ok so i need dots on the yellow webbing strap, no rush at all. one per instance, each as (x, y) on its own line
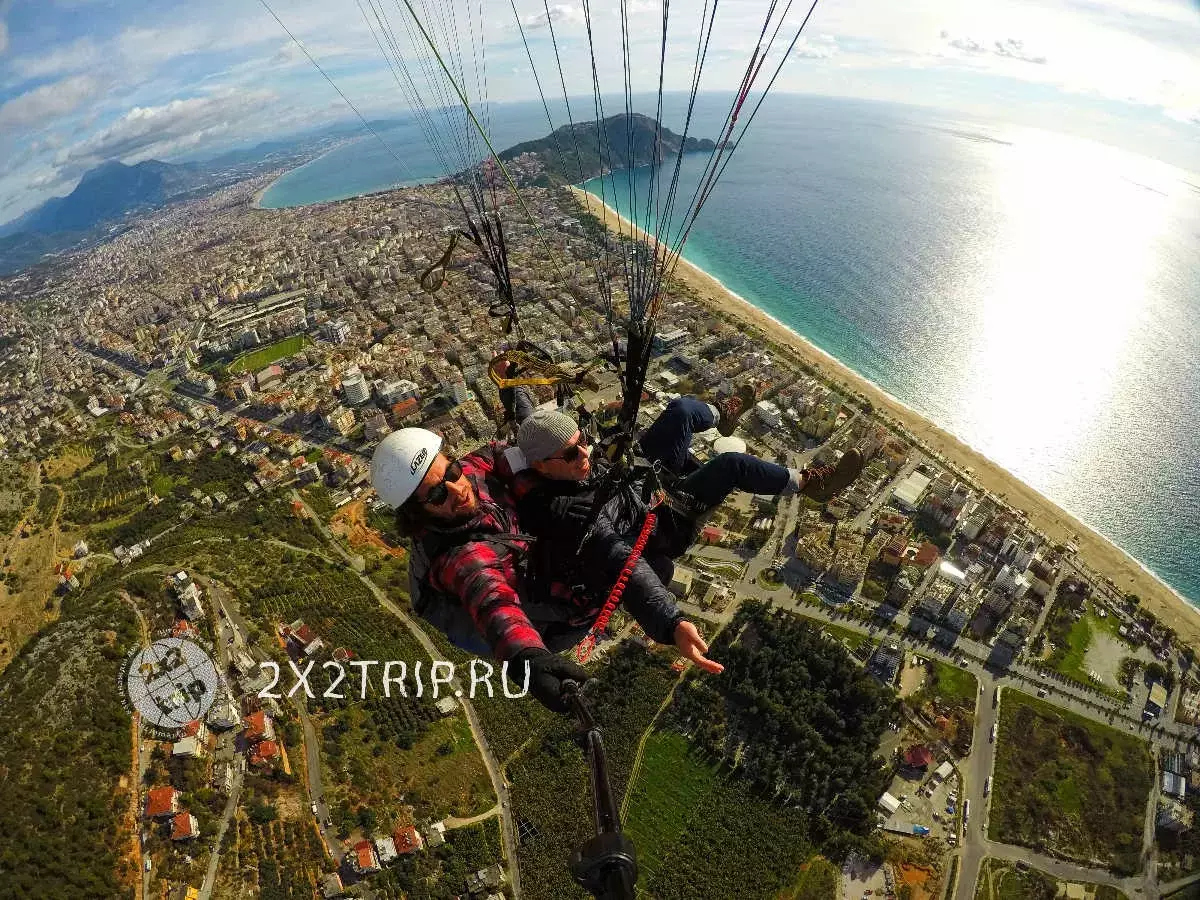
(534, 371)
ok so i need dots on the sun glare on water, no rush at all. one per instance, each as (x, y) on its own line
(1065, 281)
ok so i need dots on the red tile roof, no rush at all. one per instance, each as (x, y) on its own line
(366, 855)
(264, 751)
(182, 627)
(192, 728)
(918, 757)
(160, 800)
(255, 725)
(927, 555)
(407, 839)
(181, 826)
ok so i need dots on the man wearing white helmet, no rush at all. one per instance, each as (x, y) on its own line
(471, 575)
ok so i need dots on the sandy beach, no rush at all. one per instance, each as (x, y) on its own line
(1095, 551)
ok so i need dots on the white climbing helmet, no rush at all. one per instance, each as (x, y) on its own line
(401, 461)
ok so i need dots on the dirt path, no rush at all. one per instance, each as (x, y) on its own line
(455, 822)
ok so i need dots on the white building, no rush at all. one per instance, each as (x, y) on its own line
(355, 387)
(888, 803)
(768, 413)
(908, 494)
(337, 331)
(189, 748)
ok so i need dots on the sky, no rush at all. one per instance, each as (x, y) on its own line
(86, 81)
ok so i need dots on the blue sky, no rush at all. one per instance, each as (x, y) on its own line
(83, 81)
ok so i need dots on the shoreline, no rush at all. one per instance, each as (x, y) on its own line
(257, 202)
(1097, 552)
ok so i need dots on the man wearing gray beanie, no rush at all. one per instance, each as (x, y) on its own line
(544, 433)
(560, 466)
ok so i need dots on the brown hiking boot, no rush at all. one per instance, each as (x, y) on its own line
(823, 483)
(734, 408)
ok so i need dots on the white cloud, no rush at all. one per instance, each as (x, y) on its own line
(144, 132)
(78, 56)
(3, 36)
(821, 47)
(563, 13)
(1010, 48)
(50, 101)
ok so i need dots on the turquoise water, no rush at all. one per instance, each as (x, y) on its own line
(1036, 295)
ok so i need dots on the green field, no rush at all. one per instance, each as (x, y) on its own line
(264, 356)
(852, 639)
(1072, 639)
(955, 686)
(1069, 785)
(685, 817)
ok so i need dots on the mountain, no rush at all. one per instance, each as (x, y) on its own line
(575, 153)
(108, 192)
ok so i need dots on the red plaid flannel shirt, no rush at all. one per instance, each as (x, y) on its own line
(484, 575)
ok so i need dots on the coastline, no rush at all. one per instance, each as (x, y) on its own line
(257, 202)
(1097, 552)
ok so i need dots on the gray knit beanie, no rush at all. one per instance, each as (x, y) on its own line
(544, 433)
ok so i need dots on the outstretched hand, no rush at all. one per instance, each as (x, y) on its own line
(691, 646)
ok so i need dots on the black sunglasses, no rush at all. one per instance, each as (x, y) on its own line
(572, 453)
(439, 493)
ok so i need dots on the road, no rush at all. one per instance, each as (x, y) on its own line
(976, 769)
(979, 765)
(316, 790)
(210, 876)
(455, 822)
(508, 828)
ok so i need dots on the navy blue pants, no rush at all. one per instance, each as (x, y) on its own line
(669, 440)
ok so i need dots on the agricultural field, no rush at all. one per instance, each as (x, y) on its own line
(28, 579)
(685, 816)
(550, 793)
(392, 756)
(271, 858)
(818, 880)
(259, 359)
(15, 495)
(1069, 785)
(389, 757)
(69, 460)
(704, 808)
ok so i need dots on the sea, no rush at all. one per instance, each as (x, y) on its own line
(1034, 293)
